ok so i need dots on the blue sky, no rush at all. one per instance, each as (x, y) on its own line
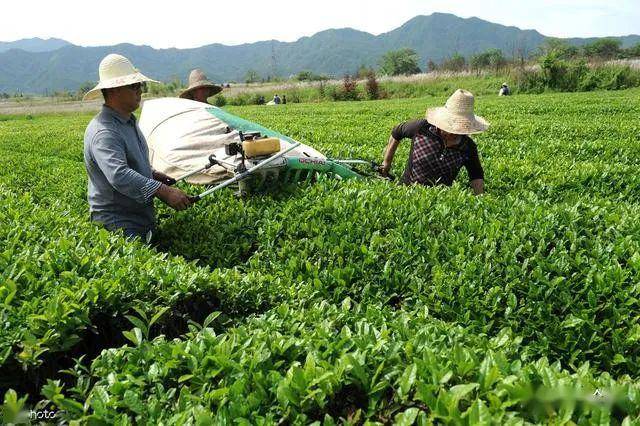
(194, 23)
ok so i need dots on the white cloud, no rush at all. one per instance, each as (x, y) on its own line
(198, 22)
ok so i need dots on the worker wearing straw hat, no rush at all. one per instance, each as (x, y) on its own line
(504, 90)
(440, 144)
(122, 183)
(200, 88)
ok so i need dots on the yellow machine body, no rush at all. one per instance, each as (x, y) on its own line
(260, 147)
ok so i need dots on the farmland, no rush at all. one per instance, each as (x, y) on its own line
(359, 301)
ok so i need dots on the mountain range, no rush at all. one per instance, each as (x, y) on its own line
(35, 44)
(41, 66)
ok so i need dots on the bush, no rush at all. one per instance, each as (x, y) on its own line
(371, 86)
(332, 93)
(293, 96)
(349, 92)
(562, 75)
(321, 89)
(530, 82)
(568, 76)
(219, 101)
(576, 72)
(616, 78)
(241, 99)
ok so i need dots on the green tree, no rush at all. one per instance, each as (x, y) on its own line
(493, 58)
(454, 63)
(304, 76)
(400, 62)
(309, 76)
(605, 48)
(252, 76)
(633, 51)
(85, 87)
(364, 72)
(559, 48)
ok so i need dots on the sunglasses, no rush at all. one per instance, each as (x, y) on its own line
(137, 86)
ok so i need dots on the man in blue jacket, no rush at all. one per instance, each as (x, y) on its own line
(122, 184)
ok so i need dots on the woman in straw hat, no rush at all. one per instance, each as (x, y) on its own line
(440, 144)
(122, 183)
(200, 89)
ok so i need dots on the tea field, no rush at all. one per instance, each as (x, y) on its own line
(342, 302)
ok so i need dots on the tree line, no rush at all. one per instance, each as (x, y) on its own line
(405, 61)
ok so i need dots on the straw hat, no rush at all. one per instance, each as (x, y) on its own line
(457, 115)
(115, 71)
(198, 79)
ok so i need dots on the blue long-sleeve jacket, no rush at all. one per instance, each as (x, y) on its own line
(121, 184)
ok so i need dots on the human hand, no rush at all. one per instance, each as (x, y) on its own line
(161, 177)
(174, 197)
(384, 169)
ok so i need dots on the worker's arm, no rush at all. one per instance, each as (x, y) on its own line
(408, 129)
(164, 178)
(174, 197)
(474, 169)
(108, 152)
(478, 186)
(389, 152)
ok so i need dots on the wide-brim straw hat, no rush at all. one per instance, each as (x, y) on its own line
(197, 79)
(457, 115)
(115, 71)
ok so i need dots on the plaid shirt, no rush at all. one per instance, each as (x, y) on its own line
(430, 162)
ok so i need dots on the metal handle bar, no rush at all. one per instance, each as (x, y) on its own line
(244, 174)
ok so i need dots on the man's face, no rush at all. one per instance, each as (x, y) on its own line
(129, 97)
(201, 94)
(448, 135)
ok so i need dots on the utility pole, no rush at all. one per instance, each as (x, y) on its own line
(274, 60)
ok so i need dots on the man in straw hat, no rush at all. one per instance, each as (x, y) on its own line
(440, 145)
(122, 183)
(200, 88)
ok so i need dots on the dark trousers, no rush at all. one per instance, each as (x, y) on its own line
(145, 235)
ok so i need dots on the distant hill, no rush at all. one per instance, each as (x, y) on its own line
(34, 44)
(333, 52)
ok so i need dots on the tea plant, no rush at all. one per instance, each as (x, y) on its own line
(360, 301)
